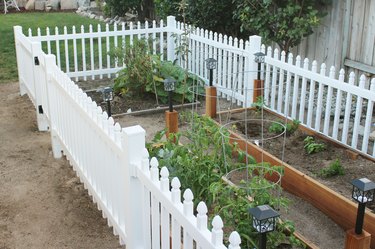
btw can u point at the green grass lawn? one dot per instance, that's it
(8, 64)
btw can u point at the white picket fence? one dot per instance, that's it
(139, 202)
(323, 102)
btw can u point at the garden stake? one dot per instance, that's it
(211, 93)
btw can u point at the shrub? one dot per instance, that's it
(335, 168)
(145, 73)
(312, 147)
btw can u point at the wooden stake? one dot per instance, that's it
(258, 89)
(357, 241)
(171, 121)
(211, 101)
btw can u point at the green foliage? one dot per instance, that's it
(284, 22)
(290, 128)
(200, 165)
(144, 8)
(258, 104)
(335, 168)
(145, 72)
(313, 147)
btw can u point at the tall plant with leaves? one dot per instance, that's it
(284, 22)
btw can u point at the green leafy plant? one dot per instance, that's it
(200, 166)
(335, 168)
(258, 104)
(145, 73)
(313, 147)
(290, 128)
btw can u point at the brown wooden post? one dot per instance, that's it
(211, 94)
(258, 89)
(357, 241)
(171, 121)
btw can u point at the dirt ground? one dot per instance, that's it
(42, 203)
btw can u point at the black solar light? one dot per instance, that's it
(264, 221)
(363, 192)
(259, 58)
(211, 64)
(107, 94)
(169, 86)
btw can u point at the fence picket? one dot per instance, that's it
(274, 80)
(348, 107)
(66, 46)
(327, 116)
(311, 95)
(58, 48)
(107, 49)
(320, 99)
(161, 41)
(92, 61)
(287, 87)
(100, 62)
(301, 115)
(280, 94)
(295, 90)
(358, 113)
(367, 130)
(48, 42)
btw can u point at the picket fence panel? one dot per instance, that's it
(113, 164)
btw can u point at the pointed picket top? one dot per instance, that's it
(283, 56)
(323, 68)
(202, 216)
(56, 30)
(111, 128)
(47, 31)
(269, 51)
(234, 241)
(105, 122)
(332, 72)
(341, 75)
(217, 231)
(82, 29)
(145, 160)
(99, 113)
(161, 23)
(90, 28)
(351, 78)
(146, 24)
(176, 192)
(138, 25)
(38, 31)
(306, 63)
(188, 202)
(276, 54)
(154, 171)
(314, 66)
(215, 36)
(65, 30)
(220, 37)
(298, 61)
(290, 58)
(164, 179)
(153, 24)
(372, 85)
(362, 81)
(117, 133)
(241, 44)
(74, 29)
(30, 32)
(99, 28)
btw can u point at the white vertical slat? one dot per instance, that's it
(67, 69)
(311, 96)
(229, 78)
(138, 28)
(287, 87)
(296, 90)
(358, 113)
(217, 231)
(338, 108)
(75, 52)
(146, 32)
(58, 48)
(241, 72)
(115, 38)
(155, 212)
(176, 228)
(30, 32)
(301, 116)
(165, 225)
(274, 81)
(318, 114)
(348, 107)
(235, 72)
(123, 40)
(281, 85)
(267, 80)
(92, 66)
(188, 212)
(83, 45)
(161, 41)
(220, 73)
(100, 51)
(145, 164)
(48, 41)
(131, 33)
(107, 48)
(370, 108)
(154, 37)
(327, 116)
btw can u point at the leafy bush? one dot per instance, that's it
(289, 127)
(335, 168)
(145, 73)
(311, 146)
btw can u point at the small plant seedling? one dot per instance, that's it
(313, 147)
(258, 104)
(335, 168)
(290, 127)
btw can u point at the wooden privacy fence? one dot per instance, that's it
(139, 202)
(295, 88)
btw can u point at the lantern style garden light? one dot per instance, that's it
(107, 94)
(259, 58)
(211, 64)
(169, 86)
(264, 221)
(363, 192)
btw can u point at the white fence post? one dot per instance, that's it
(171, 27)
(251, 68)
(18, 31)
(42, 120)
(133, 144)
